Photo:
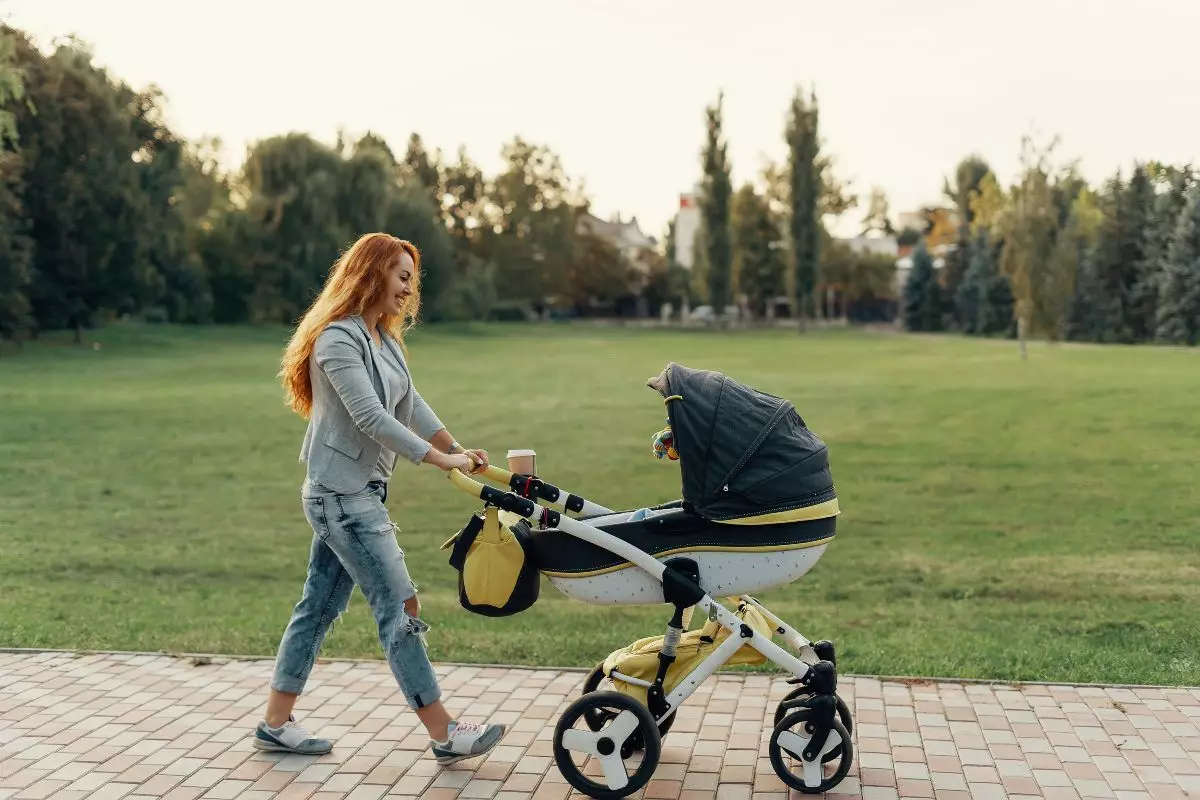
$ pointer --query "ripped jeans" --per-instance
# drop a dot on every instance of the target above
(354, 542)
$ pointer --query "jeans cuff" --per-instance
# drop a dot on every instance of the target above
(423, 699)
(287, 684)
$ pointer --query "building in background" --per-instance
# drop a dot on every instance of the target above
(687, 224)
(626, 235)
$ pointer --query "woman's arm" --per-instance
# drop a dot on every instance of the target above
(340, 358)
(424, 421)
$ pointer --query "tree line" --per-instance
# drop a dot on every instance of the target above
(108, 212)
(105, 212)
(1051, 257)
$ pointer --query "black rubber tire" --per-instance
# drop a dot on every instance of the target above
(842, 708)
(646, 730)
(845, 753)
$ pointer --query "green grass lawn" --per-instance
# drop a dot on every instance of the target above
(1002, 519)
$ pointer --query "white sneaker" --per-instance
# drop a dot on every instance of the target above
(291, 737)
(466, 740)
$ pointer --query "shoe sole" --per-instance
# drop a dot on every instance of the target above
(444, 760)
(271, 747)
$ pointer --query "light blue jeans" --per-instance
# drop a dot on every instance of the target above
(354, 542)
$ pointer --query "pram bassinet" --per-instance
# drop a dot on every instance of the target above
(732, 560)
(758, 507)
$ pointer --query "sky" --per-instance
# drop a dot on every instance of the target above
(618, 88)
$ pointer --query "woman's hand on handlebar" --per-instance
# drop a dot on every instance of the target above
(448, 461)
(480, 456)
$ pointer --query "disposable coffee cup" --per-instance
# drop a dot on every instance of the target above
(522, 462)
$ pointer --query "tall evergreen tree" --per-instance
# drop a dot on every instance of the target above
(967, 178)
(1102, 303)
(1141, 270)
(803, 139)
(716, 198)
(1170, 202)
(922, 293)
(984, 300)
(1178, 319)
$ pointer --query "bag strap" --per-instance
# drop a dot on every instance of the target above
(466, 538)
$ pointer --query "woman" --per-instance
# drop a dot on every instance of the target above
(345, 371)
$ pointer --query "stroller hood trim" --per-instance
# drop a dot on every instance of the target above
(743, 452)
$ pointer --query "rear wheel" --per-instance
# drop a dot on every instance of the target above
(611, 746)
(596, 717)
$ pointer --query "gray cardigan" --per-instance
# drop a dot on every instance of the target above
(353, 416)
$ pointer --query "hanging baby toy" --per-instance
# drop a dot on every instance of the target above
(664, 440)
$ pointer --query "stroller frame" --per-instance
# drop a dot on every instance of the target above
(821, 719)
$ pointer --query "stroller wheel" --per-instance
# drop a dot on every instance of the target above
(598, 718)
(794, 700)
(608, 747)
(788, 741)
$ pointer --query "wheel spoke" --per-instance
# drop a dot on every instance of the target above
(793, 743)
(624, 726)
(615, 775)
(814, 772)
(831, 741)
(580, 741)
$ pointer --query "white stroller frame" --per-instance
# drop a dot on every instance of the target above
(813, 706)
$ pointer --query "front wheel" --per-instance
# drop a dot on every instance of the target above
(816, 775)
(794, 701)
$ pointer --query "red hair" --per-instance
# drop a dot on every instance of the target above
(355, 284)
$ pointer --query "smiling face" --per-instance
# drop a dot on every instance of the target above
(398, 286)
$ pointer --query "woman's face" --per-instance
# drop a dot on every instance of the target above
(398, 287)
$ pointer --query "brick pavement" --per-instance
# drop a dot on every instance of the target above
(132, 726)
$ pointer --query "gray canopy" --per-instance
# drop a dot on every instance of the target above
(742, 452)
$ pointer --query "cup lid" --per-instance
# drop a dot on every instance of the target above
(518, 453)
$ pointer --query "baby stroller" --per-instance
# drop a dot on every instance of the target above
(758, 510)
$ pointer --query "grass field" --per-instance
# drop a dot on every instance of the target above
(1002, 519)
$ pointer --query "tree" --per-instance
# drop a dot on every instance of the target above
(1069, 263)
(90, 213)
(465, 192)
(922, 293)
(1027, 219)
(1175, 185)
(802, 135)
(968, 176)
(598, 272)
(531, 216)
(1142, 272)
(715, 201)
(1103, 301)
(1178, 305)
(15, 244)
(861, 278)
(984, 299)
(421, 169)
(758, 259)
(294, 185)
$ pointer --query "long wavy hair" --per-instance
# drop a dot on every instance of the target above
(355, 284)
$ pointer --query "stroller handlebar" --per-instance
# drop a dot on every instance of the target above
(527, 488)
(509, 501)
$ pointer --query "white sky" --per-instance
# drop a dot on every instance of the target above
(618, 88)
